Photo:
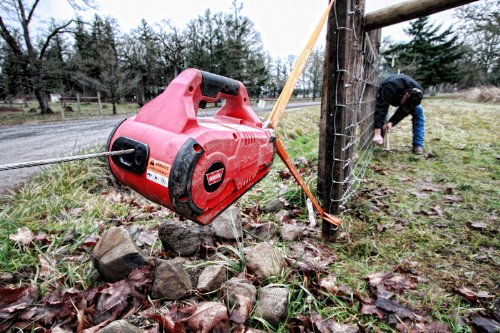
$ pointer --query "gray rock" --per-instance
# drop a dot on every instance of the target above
(211, 278)
(272, 304)
(180, 238)
(171, 281)
(273, 206)
(240, 300)
(291, 232)
(228, 224)
(121, 326)
(263, 231)
(116, 255)
(264, 260)
(6, 277)
(206, 235)
(282, 216)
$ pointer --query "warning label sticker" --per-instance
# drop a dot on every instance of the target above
(158, 172)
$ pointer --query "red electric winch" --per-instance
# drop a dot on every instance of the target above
(194, 166)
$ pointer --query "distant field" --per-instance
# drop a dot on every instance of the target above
(423, 228)
(14, 114)
(19, 114)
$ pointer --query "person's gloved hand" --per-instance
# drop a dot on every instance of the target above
(388, 127)
(378, 139)
(377, 136)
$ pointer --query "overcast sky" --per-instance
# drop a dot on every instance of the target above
(285, 25)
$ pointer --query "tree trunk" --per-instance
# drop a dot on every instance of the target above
(114, 108)
(42, 101)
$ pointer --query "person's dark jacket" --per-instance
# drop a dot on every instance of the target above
(389, 93)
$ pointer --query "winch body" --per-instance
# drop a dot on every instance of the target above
(196, 166)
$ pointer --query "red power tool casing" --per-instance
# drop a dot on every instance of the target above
(195, 166)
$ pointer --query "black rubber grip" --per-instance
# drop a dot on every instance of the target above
(181, 177)
(212, 84)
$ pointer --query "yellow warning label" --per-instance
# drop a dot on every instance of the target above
(159, 167)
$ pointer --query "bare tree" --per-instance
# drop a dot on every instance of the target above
(16, 18)
(480, 27)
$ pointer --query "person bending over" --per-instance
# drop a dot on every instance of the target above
(404, 92)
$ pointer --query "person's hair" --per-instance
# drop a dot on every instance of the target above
(415, 96)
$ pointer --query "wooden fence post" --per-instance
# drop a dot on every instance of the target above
(78, 104)
(342, 58)
(99, 101)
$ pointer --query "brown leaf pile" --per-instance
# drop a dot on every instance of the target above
(81, 311)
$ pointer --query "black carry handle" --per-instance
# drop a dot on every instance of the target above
(212, 84)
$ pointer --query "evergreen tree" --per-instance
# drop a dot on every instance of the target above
(228, 45)
(315, 71)
(101, 70)
(56, 65)
(431, 57)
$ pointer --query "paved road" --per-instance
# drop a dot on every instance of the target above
(22, 143)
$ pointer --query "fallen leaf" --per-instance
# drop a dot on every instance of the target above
(370, 309)
(208, 316)
(141, 276)
(434, 211)
(419, 195)
(478, 225)
(328, 284)
(47, 266)
(472, 296)
(113, 300)
(486, 325)
(401, 311)
(13, 300)
(383, 293)
(435, 327)
(399, 283)
(23, 235)
(377, 279)
(42, 238)
(166, 322)
(309, 258)
(330, 326)
(421, 327)
(452, 198)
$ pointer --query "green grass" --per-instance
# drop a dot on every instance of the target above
(410, 209)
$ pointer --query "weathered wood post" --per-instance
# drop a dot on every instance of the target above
(99, 101)
(333, 156)
(79, 106)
